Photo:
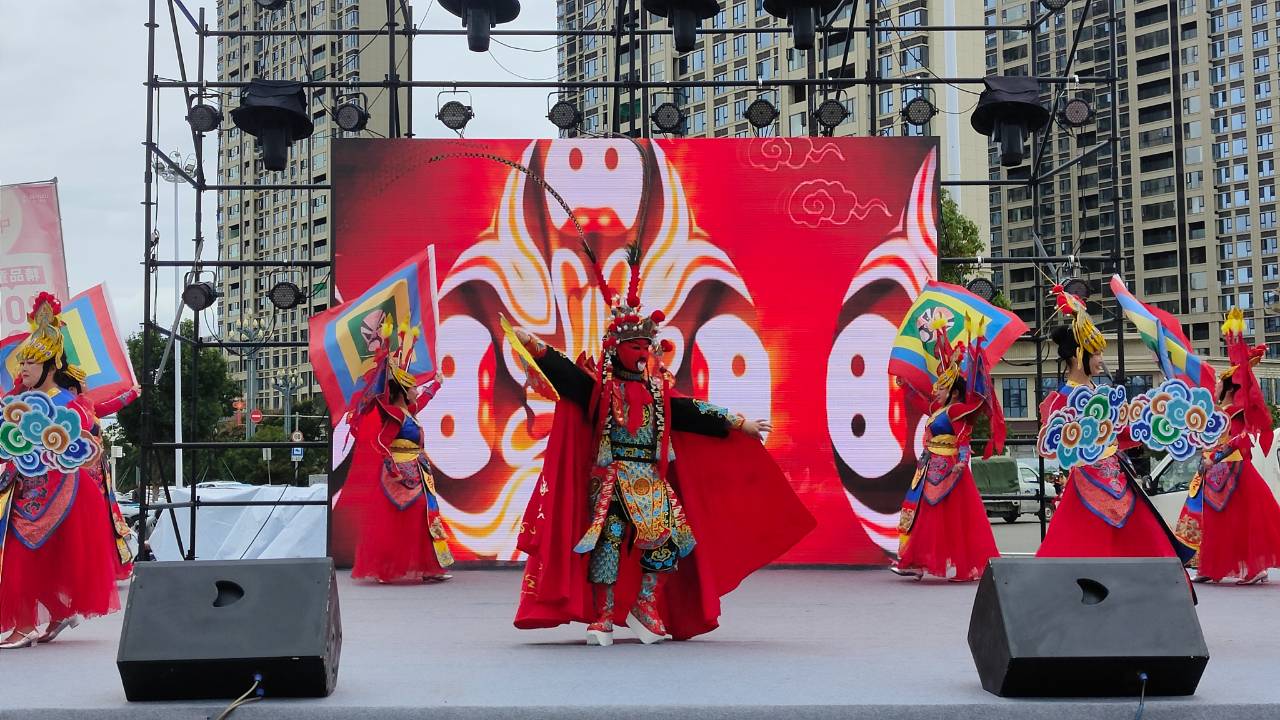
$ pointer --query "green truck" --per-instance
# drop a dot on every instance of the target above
(1005, 476)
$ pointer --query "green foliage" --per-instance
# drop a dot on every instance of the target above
(1275, 414)
(1001, 301)
(958, 237)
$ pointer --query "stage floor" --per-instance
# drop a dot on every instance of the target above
(793, 643)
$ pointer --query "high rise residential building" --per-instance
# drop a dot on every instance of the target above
(729, 54)
(287, 224)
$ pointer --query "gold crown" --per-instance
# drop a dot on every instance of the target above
(45, 341)
(1233, 332)
(77, 373)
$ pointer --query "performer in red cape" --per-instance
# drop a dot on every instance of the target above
(948, 535)
(634, 477)
(389, 488)
(56, 565)
(1103, 512)
(120, 532)
(1231, 515)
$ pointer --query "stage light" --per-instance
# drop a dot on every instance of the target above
(1076, 113)
(565, 115)
(761, 113)
(802, 16)
(982, 287)
(479, 16)
(1008, 109)
(1054, 5)
(199, 295)
(829, 114)
(455, 115)
(285, 295)
(275, 112)
(918, 111)
(685, 17)
(1078, 287)
(204, 117)
(668, 117)
(271, 4)
(351, 116)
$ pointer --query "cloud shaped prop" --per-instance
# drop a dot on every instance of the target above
(1081, 431)
(38, 436)
(1177, 418)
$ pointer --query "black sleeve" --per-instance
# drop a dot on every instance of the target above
(572, 382)
(689, 415)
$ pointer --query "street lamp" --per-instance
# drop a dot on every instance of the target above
(287, 384)
(253, 333)
(168, 174)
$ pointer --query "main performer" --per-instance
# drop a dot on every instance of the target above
(56, 553)
(1231, 515)
(634, 477)
(948, 534)
(389, 488)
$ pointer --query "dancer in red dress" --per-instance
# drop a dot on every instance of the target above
(56, 565)
(634, 476)
(948, 534)
(1231, 514)
(1103, 512)
(389, 488)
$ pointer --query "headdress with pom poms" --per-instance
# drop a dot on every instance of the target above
(45, 341)
(1257, 416)
(1089, 339)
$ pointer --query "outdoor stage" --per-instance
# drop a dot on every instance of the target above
(794, 644)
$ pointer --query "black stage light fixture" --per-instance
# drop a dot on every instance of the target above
(351, 116)
(685, 17)
(830, 113)
(761, 113)
(199, 295)
(1077, 286)
(668, 117)
(982, 287)
(271, 4)
(1054, 5)
(204, 117)
(1008, 110)
(285, 295)
(275, 112)
(918, 111)
(802, 16)
(1077, 112)
(565, 115)
(455, 115)
(479, 16)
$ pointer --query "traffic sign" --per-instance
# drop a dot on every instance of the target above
(295, 454)
(296, 436)
(256, 415)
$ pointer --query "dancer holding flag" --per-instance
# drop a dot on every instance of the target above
(1230, 515)
(56, 567)
(634, 476)
(948, 534)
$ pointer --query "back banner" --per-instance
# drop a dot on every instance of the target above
(31, 256)
(783, 266)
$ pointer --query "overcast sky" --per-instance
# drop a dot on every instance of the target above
(71, 79)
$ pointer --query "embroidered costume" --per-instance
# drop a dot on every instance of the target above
(120, 531)
(390, 489)
(1231, 516)
(943, 527)
(1102, 512)
(641, 484)
(57, 557)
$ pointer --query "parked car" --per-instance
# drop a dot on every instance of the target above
(1006, 476)
(1170, 479)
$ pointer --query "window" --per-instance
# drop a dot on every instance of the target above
(740, 14)
(1014, 397)
(739, 45)
(719, 52)
(721, 115)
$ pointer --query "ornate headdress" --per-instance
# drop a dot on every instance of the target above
(1089, 339)
(45, 341)
(626, 322)
(950, 357)
(1257, 416)
(389, 365)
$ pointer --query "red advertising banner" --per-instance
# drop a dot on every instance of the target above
(784, 266)
(31, 255)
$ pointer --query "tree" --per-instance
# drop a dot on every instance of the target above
(958, 237)
(206, 378)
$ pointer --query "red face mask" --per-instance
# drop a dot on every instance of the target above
(634, 354)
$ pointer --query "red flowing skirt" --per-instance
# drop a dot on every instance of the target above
(392, 544)
(954, 535)
(1243, 539)
(72, 573)
(1076, 531)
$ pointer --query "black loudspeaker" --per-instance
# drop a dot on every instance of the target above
(1086, 628)
(207, 629)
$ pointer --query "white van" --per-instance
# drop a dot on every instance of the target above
(1170, 479)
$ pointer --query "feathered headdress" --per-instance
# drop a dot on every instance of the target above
(45, 341)
(948, 355)
(1089, 339)
(1257, 416)
(977, 373)
(389, 366)
(626, 322)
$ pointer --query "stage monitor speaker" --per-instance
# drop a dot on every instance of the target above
(205, 629)
(1067, 627)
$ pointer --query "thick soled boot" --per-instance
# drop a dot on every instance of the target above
(644, 619)
(600, 632)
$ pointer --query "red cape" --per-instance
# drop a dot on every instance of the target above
(739, 504)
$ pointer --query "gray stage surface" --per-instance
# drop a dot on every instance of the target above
(793, 644)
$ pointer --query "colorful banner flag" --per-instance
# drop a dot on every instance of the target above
(31, 255)
(91, 341)
(1162, 332)
(344, 339)
(912, 358)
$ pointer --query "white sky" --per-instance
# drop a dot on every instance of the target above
(71, 80)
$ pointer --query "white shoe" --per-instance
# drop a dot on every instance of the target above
(647, 636)
(54, 631)
(602, 638)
